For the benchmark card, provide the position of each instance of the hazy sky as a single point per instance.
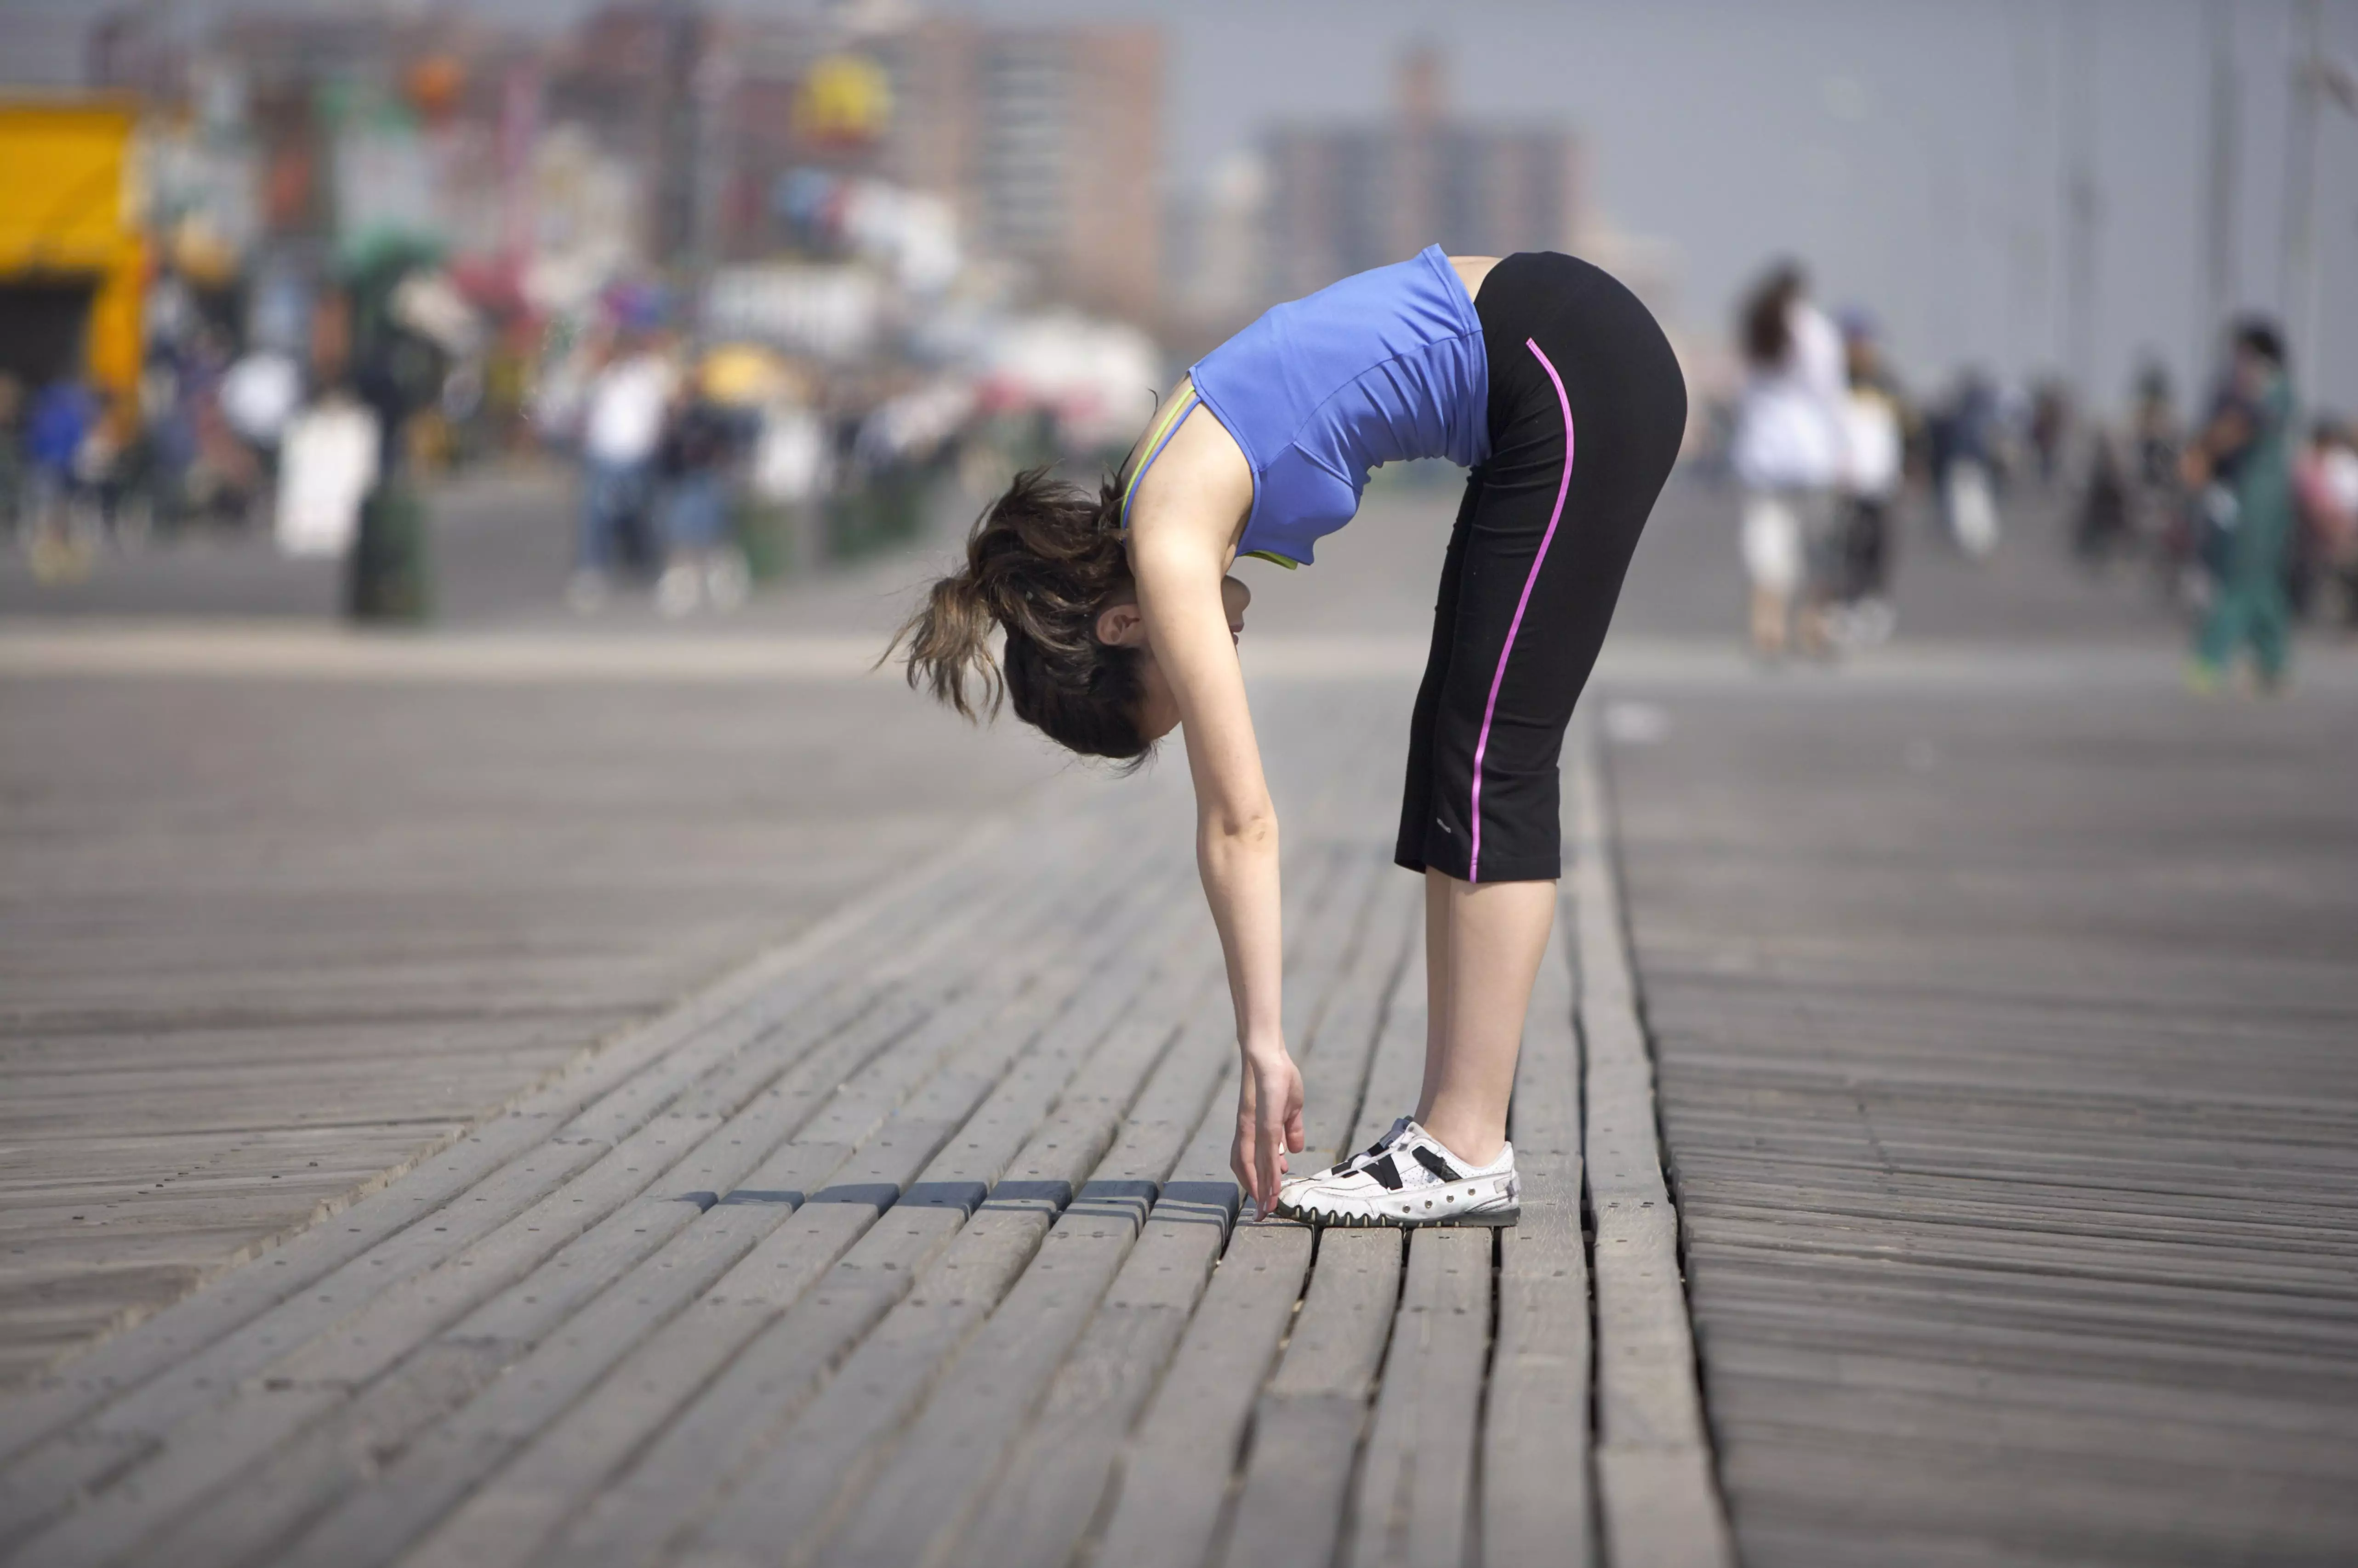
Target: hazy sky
(1910, 151)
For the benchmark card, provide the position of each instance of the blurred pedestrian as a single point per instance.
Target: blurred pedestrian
(60, 428)
(1875, 437)
(2101, 530)
(2241, 464)
(701, 562)
(1788, 455)
(2326, 480)
(622, 430)
(11, 458)
(2051, 428)
(1966, 451)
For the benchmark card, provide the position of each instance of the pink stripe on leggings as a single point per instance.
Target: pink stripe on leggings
(1563, 488)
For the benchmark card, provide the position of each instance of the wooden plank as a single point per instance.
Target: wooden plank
(1307, 1424)
(719, 1435)
(2014, 1191)
(1414, 1501)
(782, 1504)
(1178, 1466)
(817, 1471)
(1166, 1509)
(1413, 1498)
(1309, 1421)
(1536, 1483)
(393, 1319)
(166, 1371)
(1060, 1465)
(915, 1506)
(408, 1494)
(1659, 1502)
(125, 1361)
(560, 1470)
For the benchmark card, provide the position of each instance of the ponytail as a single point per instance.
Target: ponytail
(1041, 563)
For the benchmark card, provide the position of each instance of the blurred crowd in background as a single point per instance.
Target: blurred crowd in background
(2240, 515)
(772, 282)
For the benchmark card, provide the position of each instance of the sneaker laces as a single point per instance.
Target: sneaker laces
(1373, 1151)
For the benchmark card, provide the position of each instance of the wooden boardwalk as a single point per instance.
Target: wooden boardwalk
(915, 1246)
(267, 940)
(2009, 1060)
(2000, 1012)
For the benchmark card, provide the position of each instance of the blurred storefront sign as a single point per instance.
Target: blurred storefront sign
(72, 259)
(834, 311)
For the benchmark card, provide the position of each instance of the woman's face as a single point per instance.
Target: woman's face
(1158, 710)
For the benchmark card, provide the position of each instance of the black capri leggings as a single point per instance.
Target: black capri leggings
(1587, 405)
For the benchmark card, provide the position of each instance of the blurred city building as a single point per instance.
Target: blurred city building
(1344, 197)
(1049, 142)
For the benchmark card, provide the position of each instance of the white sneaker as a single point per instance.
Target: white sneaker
(1416, 1181)
(726, 581)
(678, 590)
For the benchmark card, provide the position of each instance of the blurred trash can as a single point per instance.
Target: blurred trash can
(391, 578)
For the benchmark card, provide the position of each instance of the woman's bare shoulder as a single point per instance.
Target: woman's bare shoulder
(1200, 486)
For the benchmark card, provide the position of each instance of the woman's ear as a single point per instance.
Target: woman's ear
(1121, 625)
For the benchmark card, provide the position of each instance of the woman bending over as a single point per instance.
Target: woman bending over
(1552, 384)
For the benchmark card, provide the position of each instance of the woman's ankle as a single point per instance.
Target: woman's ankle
(1472, 1143)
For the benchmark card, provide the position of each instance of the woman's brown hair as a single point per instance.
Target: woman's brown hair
(1041, 563)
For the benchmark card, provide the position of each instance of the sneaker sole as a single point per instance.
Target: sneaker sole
(1491, 1220)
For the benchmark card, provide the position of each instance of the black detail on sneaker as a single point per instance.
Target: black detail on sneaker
(1386, 1173)
(1436, 1163)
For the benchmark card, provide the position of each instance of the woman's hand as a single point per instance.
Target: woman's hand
(1269, 1124)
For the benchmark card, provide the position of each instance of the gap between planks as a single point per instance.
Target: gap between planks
(1658, 1489)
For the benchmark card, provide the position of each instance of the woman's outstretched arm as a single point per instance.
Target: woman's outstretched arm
(1179, 573)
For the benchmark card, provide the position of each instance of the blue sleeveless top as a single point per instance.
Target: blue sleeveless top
(1381, 367)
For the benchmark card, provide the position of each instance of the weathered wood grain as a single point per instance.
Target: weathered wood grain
(1535, 1504)
(2002, 1057)
(1658, 1502)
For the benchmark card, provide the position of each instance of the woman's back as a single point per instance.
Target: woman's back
(1381, 367)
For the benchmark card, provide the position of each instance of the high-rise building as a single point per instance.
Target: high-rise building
(1048, 140)
(1343, 198)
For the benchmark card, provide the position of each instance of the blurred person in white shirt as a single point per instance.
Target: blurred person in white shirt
(623, 414)
(1790, 454)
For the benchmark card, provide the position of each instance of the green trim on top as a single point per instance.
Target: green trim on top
(1273, 556)
(1160, 433)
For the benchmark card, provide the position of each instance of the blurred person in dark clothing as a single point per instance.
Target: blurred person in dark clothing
(2241, 464)
(2102, 528)
(701, 562)
(2051, 427)
(12, 459)
(1965, 465)
(1875, 416)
